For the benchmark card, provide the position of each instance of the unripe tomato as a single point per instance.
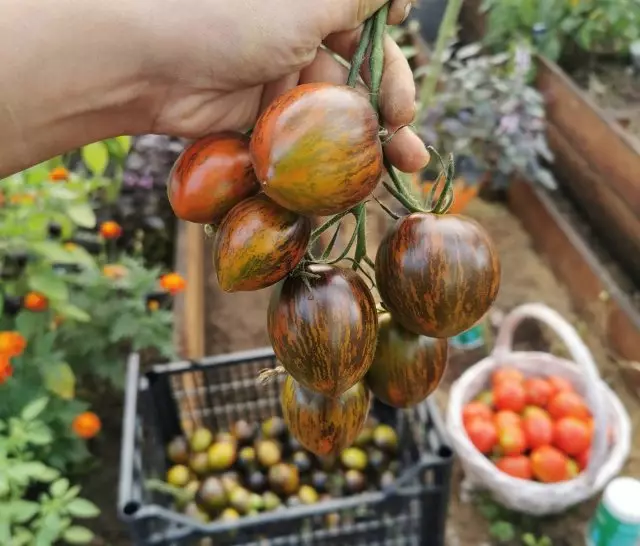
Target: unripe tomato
(210, 177)
(316, 149)
(324, 426)
(258, 244)
(407, 367)
(437, 274)
(512, 440)
(323, 328)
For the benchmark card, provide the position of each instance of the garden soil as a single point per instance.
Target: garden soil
(238, 321)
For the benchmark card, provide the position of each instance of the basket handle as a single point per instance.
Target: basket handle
(580, 355)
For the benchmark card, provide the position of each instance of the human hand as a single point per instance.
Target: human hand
(221, 63)
(184, 69)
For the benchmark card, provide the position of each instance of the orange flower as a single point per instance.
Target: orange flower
(12, 343)
(153, 305)
(6, 369)
(86, 425)
(173, 283)
(114, 271)
(58, 174)
(110, 230)
(22, 199)
(34, 301)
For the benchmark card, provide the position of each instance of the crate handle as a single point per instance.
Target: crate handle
(129, 417)
(580, 355)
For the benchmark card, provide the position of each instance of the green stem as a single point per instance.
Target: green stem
(409, 205)
(376, 61)
(359, 55)
(354, 236)
(324, 227)
(361, 231)
(446, 31)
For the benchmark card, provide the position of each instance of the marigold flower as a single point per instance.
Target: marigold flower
(114, 271)
(173, 283)
(153, 305)
(58, 174)
(34, 301)
(110, 229)
(6, 369)
(86, 425)
(12, 344)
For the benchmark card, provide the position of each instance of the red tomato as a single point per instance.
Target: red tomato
(571, 435)
(512, 440)
(475, 409)
(506, 374)
(518, 466)
(509, 395)
(538, 391)
(559, 384)
(483, 435)
(507, 418)
(583, 458)
(549, 465)
(568, 404)
(538, 429)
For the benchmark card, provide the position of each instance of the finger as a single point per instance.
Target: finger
(397, 90)
(406, 151)
(277, 88)
(404, 148)
(338, 15)
(399, 11)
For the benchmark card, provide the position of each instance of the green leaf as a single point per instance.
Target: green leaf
(74, 313)
(82, 215)
(34, 408)
(49, 284)
(59, 379)
(125, 143)
(52, 251)
(77, 535)
(82, 508)
(4, 485)
(21, 537)
(59, 487)
(96, 157)
(39, 434)
(503, 531)
(45, 474)
(22, 510)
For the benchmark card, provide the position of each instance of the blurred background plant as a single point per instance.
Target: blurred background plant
(557, 28)
(490, 118)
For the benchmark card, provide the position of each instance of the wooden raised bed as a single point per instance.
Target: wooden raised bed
(596, 161)
(595, 294)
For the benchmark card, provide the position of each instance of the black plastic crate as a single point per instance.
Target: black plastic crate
(223, 389)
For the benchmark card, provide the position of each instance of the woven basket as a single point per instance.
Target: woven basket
(606, 460)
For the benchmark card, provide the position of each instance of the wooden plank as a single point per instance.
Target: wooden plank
(189, 317)
(613, 153)
(608, 212)
(588, 282)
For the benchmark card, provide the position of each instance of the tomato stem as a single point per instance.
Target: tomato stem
(445, 199)
(360, 211)
(376, 60)
(324, 227)
(410, 205)
(387, 209)
(360, 53)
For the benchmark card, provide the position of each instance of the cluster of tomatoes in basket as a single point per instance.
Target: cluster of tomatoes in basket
(316, 151)
(533, 428)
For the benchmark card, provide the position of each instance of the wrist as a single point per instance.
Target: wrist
(76, 73)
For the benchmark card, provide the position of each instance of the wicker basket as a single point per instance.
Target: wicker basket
(606, 460)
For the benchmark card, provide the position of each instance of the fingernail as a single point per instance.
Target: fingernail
(407, 11)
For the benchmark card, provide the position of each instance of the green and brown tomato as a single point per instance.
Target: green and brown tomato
(324, 426)
(323, 328)
(258, 244)
(407, 367)
(211, 176)
(437, 274)
(316, 149)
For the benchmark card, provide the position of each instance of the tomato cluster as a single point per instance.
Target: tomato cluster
(536, 428)
(316, 151)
